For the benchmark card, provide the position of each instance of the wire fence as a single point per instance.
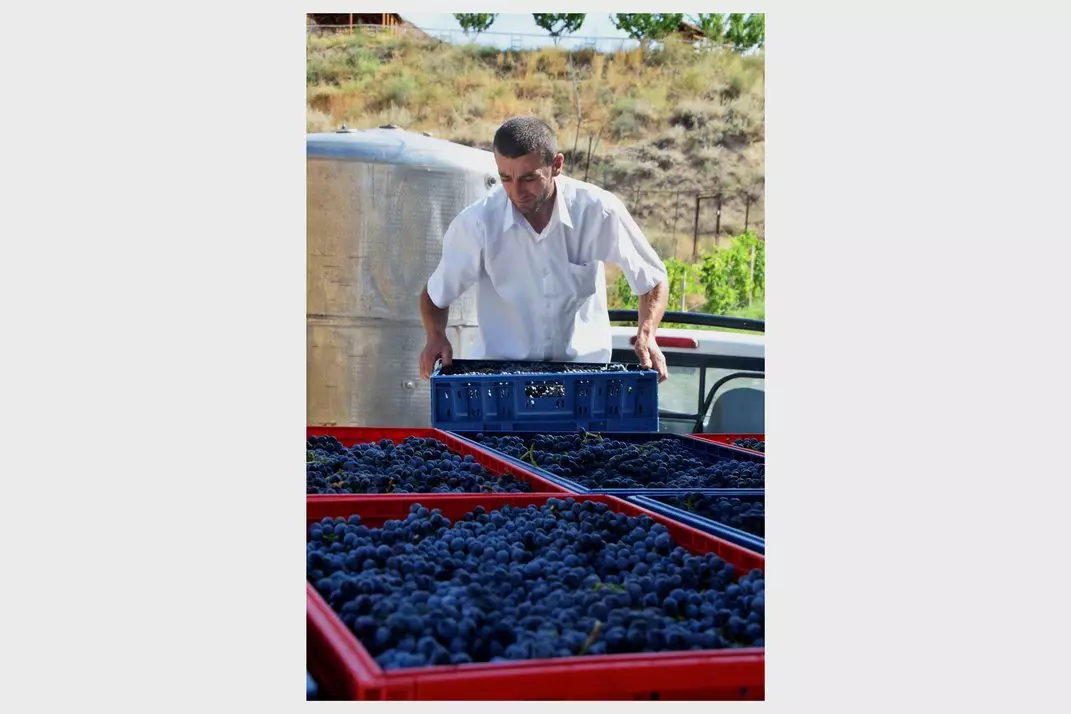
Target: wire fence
(500, 40)
(681, 223)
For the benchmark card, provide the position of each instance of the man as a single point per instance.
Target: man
(536, 248)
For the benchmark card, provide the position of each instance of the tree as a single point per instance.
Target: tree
(712, 24)
(755, 29)
(733, 276)
(647, 27)
(558, 24)
(746, 31)
(628, 299)
(736, 35)
(741, 31)
(682, 278)
(475, 22)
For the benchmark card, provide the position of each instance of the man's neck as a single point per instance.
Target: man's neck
(539, 220)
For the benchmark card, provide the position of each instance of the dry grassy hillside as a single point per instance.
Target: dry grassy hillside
(657, 128)
(671, 120)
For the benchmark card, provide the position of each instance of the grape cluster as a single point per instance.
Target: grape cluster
(491, 368)
(565, 579)
(753, 444)
(416, 465)
(604, 462)
(544, 389)
(746, 514)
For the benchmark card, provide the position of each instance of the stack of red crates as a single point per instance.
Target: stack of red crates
(344, 669)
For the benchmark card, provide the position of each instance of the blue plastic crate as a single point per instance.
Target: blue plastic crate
(707, 451)
(726, 532)
(544, 400)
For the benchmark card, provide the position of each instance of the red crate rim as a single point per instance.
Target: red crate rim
(350, 435)
(346, 648)
(727, 440)
(358, 659)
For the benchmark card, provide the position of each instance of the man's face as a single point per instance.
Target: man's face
(527, 180)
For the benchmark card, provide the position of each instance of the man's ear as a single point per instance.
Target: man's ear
(556, 164)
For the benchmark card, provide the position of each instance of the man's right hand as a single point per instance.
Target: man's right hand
(437, 347)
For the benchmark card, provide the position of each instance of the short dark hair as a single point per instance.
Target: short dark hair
(523, 135)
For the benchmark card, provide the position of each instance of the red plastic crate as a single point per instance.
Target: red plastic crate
(728, 439)
(345, 669)
(350, 435)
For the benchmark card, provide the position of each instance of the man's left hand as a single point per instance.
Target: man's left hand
(651, 357)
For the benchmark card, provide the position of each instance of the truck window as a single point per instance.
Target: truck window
(679, 399)
(680, 393)
(737, 404)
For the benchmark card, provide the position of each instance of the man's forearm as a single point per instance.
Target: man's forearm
(433, 317)
(652, 308)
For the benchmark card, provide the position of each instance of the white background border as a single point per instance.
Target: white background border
(153, 393)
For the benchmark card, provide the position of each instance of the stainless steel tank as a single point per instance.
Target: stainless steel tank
(378, 203)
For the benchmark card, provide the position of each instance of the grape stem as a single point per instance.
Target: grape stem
(592, 637)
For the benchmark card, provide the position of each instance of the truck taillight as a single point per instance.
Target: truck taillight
(688, 343)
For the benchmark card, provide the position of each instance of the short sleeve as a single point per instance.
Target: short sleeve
(459, 267)
(623, 244)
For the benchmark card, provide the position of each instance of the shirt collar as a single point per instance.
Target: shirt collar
(560, 204)
(563, 207)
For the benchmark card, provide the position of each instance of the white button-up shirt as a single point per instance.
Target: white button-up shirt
(542, 296)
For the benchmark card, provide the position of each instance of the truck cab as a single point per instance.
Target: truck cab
(716, 379)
